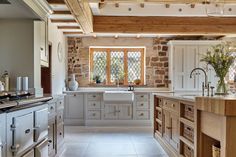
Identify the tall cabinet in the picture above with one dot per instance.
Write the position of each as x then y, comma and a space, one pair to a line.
185, 56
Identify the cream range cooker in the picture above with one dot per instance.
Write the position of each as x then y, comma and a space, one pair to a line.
26, 132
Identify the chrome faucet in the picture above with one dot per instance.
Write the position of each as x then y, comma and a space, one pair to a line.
206, 84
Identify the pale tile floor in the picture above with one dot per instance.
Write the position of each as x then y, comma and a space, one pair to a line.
111, 142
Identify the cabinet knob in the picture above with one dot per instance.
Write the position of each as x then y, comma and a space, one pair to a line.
173, 105
141, 105
74, 95
168, 127
60, 102
94, 114
142, 96
50, 141
94, 104
141, 114
60, 133
51, 108
94, 96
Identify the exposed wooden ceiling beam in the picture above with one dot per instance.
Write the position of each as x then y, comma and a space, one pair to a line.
165, 25
68, 27
158, 1
70, 33
82, 13
56, 1
61, 12
63, 21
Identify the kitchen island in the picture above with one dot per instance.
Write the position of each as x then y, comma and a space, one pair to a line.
189, 125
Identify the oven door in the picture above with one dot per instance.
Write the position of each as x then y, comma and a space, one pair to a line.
22, 133
41, 150
41, 124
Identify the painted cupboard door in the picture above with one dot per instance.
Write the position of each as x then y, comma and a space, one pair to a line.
111, 112
174, 138
178, 67
125, 111
2, 135
190, 61
167, 125
74, 106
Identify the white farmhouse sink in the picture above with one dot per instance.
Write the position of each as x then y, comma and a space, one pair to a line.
118, 96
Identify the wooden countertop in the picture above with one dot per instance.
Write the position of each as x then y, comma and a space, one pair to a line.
222, 105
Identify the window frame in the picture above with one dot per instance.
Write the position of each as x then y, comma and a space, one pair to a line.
108, 51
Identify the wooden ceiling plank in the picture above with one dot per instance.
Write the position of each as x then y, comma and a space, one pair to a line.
165, 25
63, 12
161, 1
56, 1
63, 21
82, 13
69, 33
68, 27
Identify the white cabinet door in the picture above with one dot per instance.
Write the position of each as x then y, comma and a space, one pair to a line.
190, 61
125, 111
40, 39
2, 135
178, 67
111, 111
74, 106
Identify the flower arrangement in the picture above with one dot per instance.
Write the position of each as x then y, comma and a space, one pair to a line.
220, 58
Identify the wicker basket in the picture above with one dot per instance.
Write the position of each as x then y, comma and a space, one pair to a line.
188, 132
187, 151
215, 151
189, 112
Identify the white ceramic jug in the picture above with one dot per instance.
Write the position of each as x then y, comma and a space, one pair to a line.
1, 86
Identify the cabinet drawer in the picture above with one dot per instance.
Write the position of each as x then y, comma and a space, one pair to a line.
173, 105
142, 97
94, 96
60, 104
142, 115
187, 151
188, 132
94, 105
52, 109
60, 134
60, 117
96, 115
142, 105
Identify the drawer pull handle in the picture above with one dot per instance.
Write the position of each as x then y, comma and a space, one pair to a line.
60, 117
141, 114
142, 96
27, 131
173, 105
51, 108
50, 141
60, 133
94, 114
168, 127
60, 102
94, 96
74, 94
141, 105
94, 104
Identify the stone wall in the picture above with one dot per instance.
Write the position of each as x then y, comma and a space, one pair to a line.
156, 57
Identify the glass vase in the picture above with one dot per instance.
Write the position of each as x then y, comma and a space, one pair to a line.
221, 87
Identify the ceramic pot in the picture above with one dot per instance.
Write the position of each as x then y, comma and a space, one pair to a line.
73, 84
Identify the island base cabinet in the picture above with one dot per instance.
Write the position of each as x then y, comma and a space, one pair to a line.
171, 129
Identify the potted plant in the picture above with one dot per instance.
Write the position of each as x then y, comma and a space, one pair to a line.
97, 79
220, 58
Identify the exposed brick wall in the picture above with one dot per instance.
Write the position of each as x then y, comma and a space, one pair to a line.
156, 57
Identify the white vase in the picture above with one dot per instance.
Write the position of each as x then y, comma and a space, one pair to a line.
73, 84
